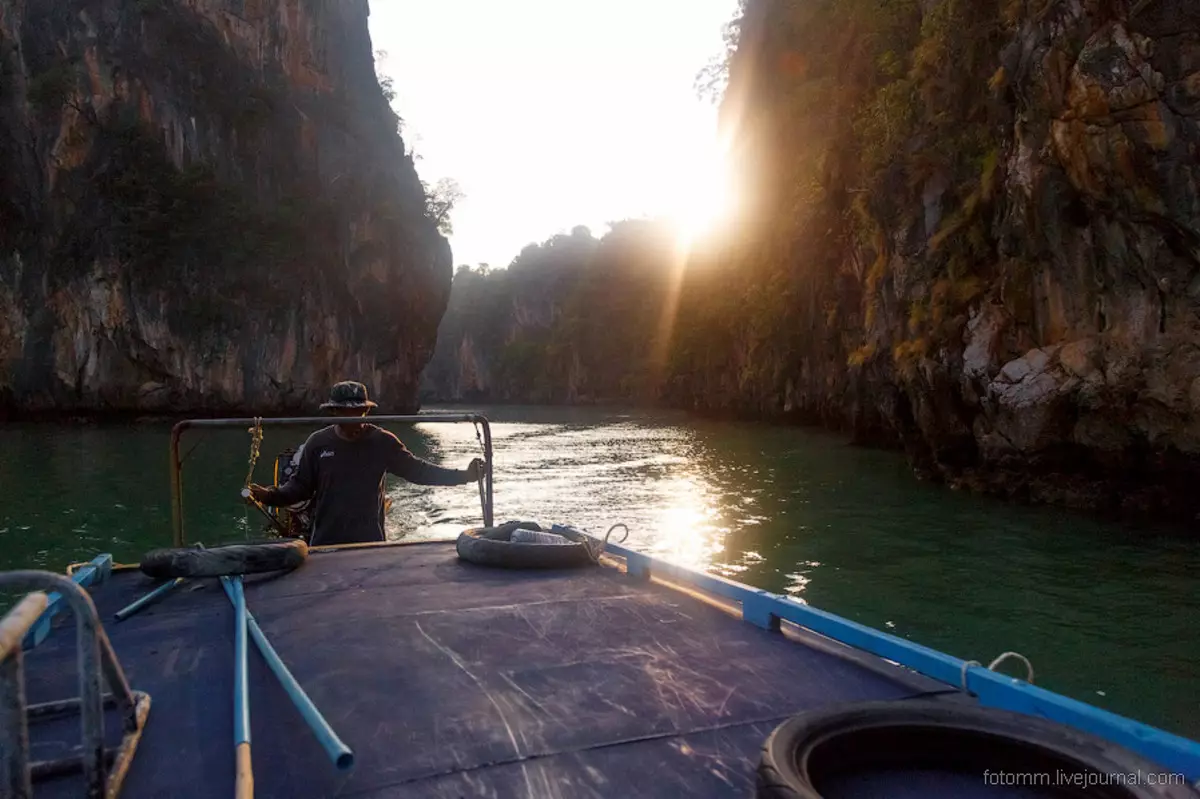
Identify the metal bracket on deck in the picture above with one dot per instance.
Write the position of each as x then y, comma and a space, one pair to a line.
103, 768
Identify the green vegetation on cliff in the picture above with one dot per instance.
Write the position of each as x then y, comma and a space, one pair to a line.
871, 132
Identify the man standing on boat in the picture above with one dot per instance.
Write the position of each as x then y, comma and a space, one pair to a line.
345, 464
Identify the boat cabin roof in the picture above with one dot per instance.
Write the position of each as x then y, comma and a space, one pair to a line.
449, 679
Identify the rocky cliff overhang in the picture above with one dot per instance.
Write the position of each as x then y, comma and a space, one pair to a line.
205, 205
1016, 297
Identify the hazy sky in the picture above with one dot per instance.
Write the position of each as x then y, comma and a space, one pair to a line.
554, 113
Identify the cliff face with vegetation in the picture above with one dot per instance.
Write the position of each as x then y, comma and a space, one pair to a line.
997, 229
205, 205
972, 229
566, 322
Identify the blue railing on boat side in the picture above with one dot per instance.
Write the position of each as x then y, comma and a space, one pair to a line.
992, 689
95, 572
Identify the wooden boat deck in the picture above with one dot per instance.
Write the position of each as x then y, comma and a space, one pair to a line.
448, 679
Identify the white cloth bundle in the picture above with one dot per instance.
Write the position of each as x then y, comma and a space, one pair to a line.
523, 536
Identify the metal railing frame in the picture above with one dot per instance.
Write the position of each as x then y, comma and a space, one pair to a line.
308, 421
103, 769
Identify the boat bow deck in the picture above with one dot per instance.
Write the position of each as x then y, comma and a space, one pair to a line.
448, 679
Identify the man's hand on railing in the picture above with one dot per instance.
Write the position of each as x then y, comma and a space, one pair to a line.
476, 469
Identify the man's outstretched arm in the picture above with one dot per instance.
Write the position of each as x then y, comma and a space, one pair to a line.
402, 463
298, 488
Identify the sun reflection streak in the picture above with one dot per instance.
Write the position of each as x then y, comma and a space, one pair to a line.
655, 479
688, 532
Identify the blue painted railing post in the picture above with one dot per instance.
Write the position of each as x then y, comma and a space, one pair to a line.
93, 573
757, 607
637, 565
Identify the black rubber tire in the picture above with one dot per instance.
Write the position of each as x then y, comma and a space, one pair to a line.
805, 751
490, 546
163, 564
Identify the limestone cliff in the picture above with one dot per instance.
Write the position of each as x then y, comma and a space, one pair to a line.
993, 236
971, 229
205, 206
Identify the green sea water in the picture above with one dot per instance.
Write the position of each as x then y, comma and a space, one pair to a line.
1107, 612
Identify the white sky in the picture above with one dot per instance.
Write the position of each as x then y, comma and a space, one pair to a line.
554, 113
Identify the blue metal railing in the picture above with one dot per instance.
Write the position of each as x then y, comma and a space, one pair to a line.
95, 572
992, 689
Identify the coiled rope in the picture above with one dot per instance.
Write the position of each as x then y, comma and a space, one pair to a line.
256, 437
595, 551
996, 662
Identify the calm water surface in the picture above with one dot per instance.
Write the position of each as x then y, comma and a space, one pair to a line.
1108, 613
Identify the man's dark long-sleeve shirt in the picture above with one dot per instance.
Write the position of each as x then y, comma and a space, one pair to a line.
347, 478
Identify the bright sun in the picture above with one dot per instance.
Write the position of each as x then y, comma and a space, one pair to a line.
704, 200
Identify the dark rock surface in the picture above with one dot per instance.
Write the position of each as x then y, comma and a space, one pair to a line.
205, 206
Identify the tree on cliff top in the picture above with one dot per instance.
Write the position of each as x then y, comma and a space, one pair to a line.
713, 78
386, 84
440, 201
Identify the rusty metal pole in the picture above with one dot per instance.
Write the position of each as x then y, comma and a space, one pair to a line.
118, 687
14, 730
489, 504
91, 710
15, 776
177, 485
93, 668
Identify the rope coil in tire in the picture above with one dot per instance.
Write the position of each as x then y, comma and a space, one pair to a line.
493, 546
